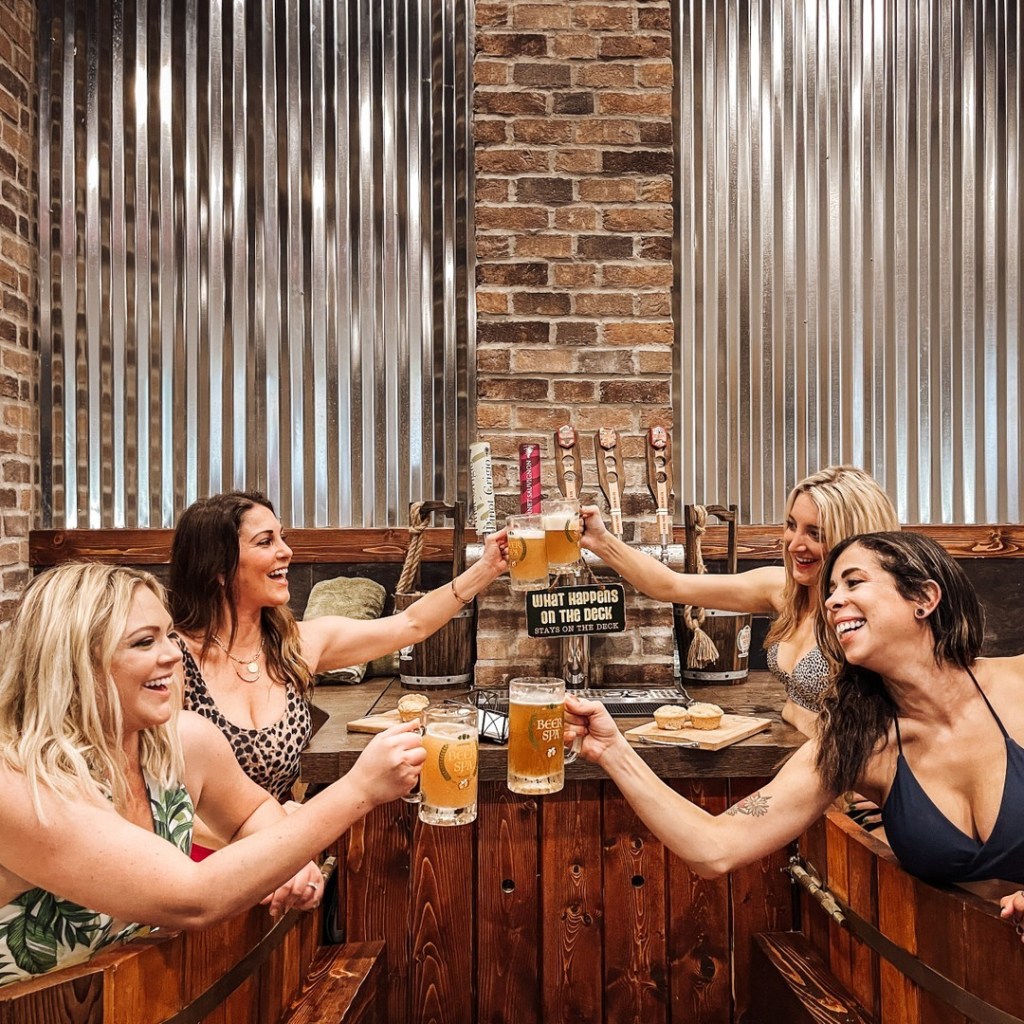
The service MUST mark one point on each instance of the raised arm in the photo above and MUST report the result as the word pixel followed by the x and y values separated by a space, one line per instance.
pixel 757 590
pixel 334 641
pixel 84 851
pixel 711 845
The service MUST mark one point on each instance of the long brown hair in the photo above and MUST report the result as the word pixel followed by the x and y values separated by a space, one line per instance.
pixel 857 710
pixel 849 501
pixel 204 566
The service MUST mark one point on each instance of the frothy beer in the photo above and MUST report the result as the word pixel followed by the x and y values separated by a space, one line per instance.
pixel 536 752
pixel 562 539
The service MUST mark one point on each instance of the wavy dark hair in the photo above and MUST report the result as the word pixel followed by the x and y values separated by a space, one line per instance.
pixel 204 552
pixel 857 710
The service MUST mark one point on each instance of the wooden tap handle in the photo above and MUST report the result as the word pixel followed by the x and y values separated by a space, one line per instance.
pixel 609 473
pixel 659 477
pixel 568 464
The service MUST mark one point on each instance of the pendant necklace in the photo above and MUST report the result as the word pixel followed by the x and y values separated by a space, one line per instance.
pixel 252 665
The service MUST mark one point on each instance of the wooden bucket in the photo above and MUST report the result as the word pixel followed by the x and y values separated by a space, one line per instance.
pixel 445 659
pixel 730 631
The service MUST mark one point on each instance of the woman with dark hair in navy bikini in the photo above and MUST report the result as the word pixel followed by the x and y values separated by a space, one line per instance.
pixel 914 720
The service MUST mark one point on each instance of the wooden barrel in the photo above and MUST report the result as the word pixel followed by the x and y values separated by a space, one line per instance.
pixel 444 659
pixel 730 632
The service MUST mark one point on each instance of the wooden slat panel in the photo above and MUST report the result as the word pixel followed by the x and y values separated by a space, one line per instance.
pixel 635 957
pixel 760 543
pixel 443 899
pixel 762 901
pixel 378 871
pixel 146 988
pixel 508 939
pixel 863 893
pixel 940 944
pixel 211 952
pixel 837 880
pixel 700 980
pixel 994 958
pixel 812 922
pixel 896 920
pixel 571 909
pixel 78 1002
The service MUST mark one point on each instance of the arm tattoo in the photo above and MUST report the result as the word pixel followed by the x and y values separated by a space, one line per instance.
pixel 755 805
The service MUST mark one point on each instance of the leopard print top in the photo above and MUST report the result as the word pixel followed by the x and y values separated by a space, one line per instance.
pixel 807 683
pixel 270 756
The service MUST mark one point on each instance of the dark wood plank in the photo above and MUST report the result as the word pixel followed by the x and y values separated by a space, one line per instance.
pixel 635 955
pixel 508 936
pixel 76 1001
pixel 795 986
pixel 342 986
pixel 993 956
pixel 700 981
pixel 571 907
pixel 813 924
pixel 443 899
pixel 378 869
pixel 863 892
pixel 941 934
pixel 388 544
pixel 762 901
pixel 897 921
pixel 837 880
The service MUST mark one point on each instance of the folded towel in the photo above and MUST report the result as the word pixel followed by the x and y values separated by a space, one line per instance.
pixel 356 598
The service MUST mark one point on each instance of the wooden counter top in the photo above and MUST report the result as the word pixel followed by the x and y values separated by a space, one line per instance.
pixel 333 750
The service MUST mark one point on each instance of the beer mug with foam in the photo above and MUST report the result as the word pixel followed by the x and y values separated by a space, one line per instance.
pixel 536 750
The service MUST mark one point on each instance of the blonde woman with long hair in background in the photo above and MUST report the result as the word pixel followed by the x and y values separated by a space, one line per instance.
pixel 101 775
pixel 822 510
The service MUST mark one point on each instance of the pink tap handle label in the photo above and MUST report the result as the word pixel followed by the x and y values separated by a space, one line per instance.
pixel 529 478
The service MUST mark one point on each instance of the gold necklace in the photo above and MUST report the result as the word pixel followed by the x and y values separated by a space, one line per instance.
pixel 252 665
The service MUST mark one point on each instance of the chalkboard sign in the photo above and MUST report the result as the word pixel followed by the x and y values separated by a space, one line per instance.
pixel 576 611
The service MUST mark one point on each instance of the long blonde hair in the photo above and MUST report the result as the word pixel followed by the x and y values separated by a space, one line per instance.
pixel 848 501
pixel 60 713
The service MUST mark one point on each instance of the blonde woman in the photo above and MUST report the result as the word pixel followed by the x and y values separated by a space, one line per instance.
pixel 822 510
pixel 101 776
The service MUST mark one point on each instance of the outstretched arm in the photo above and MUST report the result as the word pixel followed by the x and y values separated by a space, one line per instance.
pixel 334 641
pixel 84 851
pixel 757 590
pixel 711 845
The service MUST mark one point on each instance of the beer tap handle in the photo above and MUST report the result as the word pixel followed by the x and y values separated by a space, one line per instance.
pixel 659 480
pixel 568 464
pixel 609 472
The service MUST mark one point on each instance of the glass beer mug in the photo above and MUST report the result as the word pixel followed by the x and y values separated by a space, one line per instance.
pixel 536 750
pixel 448 782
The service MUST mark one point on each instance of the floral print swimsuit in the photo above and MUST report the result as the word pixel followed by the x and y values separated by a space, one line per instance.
pixel 41 932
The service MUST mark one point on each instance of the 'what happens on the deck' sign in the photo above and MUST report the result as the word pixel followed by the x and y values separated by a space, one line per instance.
pixel 576 611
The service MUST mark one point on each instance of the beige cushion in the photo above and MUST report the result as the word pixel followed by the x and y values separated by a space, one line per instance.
pixel 355 597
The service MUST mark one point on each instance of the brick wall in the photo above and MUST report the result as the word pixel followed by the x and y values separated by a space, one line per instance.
pixel 573 207
pixel 19 347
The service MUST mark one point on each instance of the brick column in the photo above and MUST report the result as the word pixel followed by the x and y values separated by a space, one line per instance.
pixel 573 206
pixel 19 341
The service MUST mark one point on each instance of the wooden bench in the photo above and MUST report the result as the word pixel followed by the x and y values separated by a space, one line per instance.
pixel 791 984
pixel 247 969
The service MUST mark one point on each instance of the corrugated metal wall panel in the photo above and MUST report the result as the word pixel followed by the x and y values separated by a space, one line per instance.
pixel 247 277
pixel 849 280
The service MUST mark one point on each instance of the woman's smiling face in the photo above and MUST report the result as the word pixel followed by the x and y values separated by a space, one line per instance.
pixel 802 540
pixel 263 559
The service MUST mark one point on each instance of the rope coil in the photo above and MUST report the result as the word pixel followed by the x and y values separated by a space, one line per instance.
pixel 702 649
pixel 414 553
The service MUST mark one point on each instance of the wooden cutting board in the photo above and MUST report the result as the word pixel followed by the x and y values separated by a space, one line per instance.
pixel 733 729
pixel 375 723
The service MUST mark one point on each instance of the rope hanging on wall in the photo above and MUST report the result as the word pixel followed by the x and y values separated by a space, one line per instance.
pixel 409 580
pixel 702 648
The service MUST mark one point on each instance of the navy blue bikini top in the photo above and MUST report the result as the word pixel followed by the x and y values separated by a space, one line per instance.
pixel 930 846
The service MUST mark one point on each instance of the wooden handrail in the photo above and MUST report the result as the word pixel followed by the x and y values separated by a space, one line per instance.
pixel 388 544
